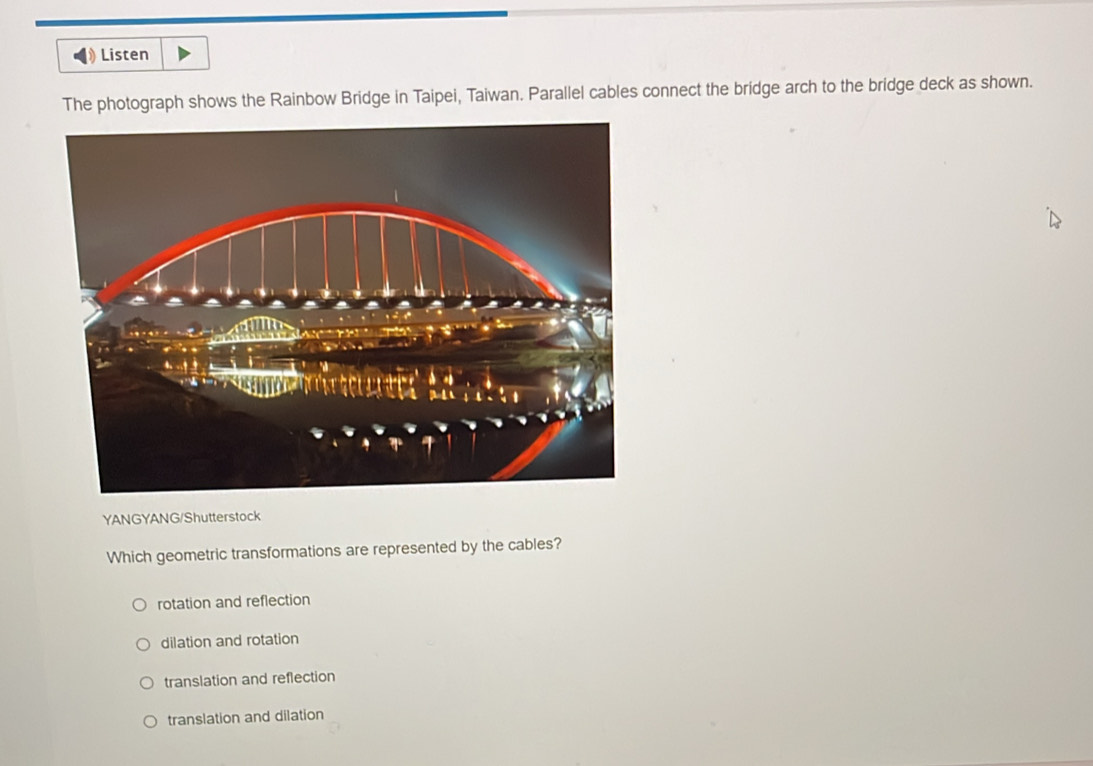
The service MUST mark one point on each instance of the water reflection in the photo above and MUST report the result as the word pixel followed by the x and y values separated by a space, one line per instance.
pixel 482 389
pixel 390 423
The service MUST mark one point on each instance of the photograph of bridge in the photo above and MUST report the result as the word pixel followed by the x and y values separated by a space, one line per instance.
pixel 347 307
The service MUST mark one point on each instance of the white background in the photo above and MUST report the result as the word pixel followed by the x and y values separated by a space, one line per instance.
pixel 851 515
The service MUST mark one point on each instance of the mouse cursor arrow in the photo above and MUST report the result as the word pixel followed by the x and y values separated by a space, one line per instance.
pixel 1053 220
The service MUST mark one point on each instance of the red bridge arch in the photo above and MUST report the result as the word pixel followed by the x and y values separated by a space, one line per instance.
pixel 318 210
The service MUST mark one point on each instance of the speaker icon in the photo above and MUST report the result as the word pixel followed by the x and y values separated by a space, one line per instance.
pixel 85 55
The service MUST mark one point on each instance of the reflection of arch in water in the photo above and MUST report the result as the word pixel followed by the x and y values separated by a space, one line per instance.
pixel 525 458
pixel 259 383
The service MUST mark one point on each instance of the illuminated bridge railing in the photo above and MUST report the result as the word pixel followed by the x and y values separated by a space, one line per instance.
pixel 339 302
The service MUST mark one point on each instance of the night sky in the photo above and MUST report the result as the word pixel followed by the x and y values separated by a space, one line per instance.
pixel 544 191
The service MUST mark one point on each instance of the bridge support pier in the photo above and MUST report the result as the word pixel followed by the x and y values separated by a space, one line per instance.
pixel 592 332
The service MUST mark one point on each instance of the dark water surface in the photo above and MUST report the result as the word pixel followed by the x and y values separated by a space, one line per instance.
pixel 398 423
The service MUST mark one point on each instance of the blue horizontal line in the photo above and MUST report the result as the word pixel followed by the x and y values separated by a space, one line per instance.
pixel 298 17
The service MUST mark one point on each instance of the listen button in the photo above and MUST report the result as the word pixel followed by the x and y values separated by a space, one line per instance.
pixel 133 54
pixel 130 54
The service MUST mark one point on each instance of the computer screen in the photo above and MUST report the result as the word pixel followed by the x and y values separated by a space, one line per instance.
pixel 316 447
